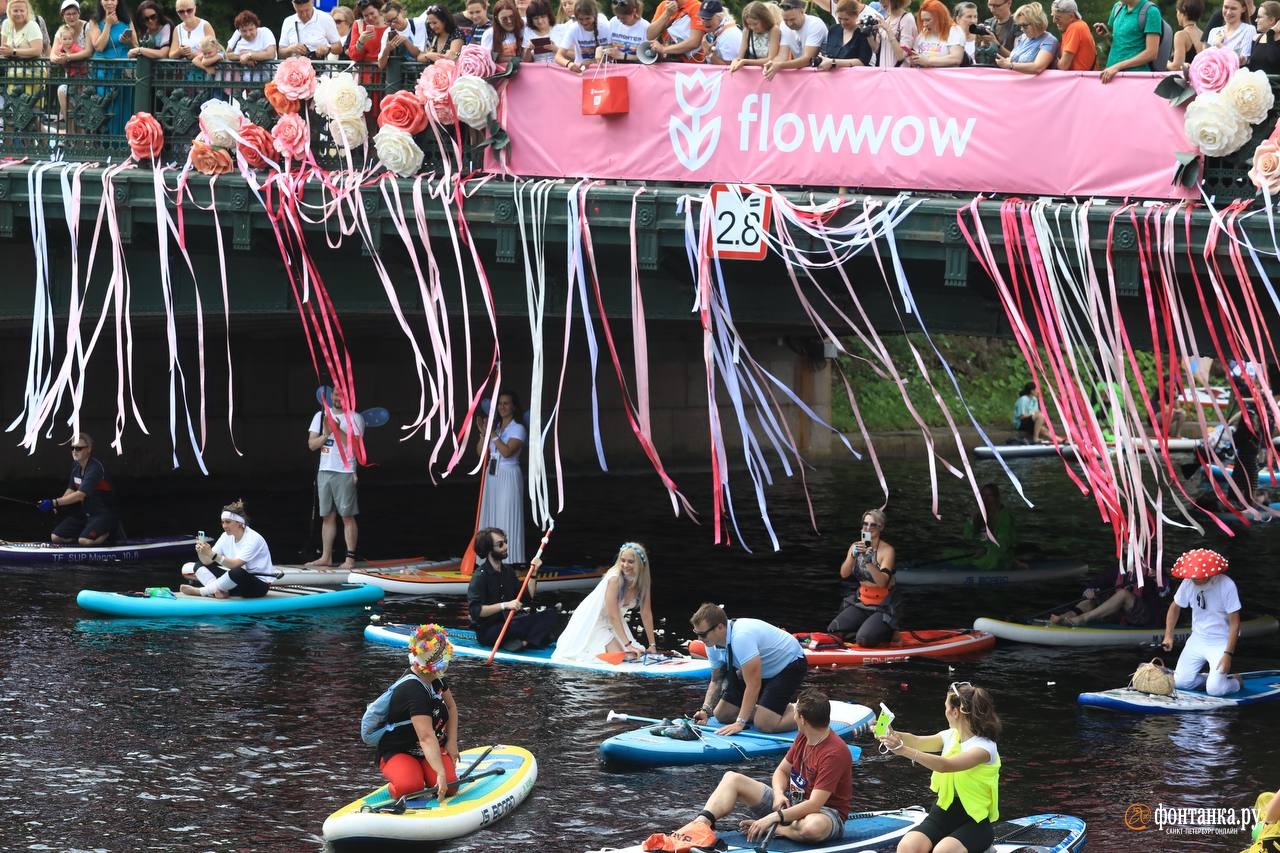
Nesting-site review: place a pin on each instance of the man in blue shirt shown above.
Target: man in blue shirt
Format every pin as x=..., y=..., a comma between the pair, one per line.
x=758, y=672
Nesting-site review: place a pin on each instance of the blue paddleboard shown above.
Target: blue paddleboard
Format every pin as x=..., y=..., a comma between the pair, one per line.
x=465, y=644
x=1260, y=686
x=281, y=599
x=644, y=748
x=1037, y=833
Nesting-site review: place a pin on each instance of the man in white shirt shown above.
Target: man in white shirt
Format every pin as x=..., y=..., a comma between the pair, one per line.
x=802, y=39
x=1215, y=623
x=336, y=479
x=309, y=32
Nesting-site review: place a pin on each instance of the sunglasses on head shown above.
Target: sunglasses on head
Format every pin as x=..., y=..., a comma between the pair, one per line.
x=955, y=688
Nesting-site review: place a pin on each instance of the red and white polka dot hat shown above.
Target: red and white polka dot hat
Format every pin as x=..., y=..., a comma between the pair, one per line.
x=1199, y=564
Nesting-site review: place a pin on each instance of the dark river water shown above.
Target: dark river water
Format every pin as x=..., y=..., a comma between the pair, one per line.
x=242, y=735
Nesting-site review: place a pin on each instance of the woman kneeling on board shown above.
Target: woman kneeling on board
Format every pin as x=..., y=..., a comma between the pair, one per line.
x=238, y=564
x=966, y=776
x=424, y=754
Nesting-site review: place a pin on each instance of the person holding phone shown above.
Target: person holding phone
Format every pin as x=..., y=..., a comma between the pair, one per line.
x=870, y=609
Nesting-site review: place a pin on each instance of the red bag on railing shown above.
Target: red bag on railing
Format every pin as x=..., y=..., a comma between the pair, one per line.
x=603, y=95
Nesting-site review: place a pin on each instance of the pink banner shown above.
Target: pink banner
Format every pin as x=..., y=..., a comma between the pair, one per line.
x=970, y=130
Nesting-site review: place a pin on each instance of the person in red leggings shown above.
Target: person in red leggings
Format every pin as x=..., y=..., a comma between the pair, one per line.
x=422, y=755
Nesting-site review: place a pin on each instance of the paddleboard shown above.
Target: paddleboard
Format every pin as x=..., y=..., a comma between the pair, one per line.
x=1260, y=686
x=1267, y=478
x=1102, y=634
x=1025, y=451
x=1039, y=833
x=281, y=599
x=862, y=831
x=1244, y=519
x=961, y=574
x=477, y=803
x=465, y=644
x=936, y=643
x=126, y=551
x=449, y=579
x=644, y=748
x=336, y=576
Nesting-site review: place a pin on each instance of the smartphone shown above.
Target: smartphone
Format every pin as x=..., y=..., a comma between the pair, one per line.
x=884, y=721
x=866, y=536
x=200, y=536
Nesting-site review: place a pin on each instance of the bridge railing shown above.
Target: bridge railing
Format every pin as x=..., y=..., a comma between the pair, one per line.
x=77, y=111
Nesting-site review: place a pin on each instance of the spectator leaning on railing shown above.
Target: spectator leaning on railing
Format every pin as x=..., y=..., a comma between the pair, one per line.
x=210, y=56
x=940, y=43
x=627, y=31
x=1189, y=38
x=763, y=37
x=1077, y=51
x=155, y=33
x=537, y=17
x=308, y=32
x=1001, y=24
x=666, y=42
x=1035, y=49
x=721, y=38
x=343, y=18
x=443, y=39
x=966, y=17
x=364, y=42
x=1135, y=37
x=586, y=39
x=477, y=14
x=1266, y=49
x=404, y=37
x=1236, y=34
x=802, y=39
x=507, y=37
x=20, y=36
x=252, y=43
x=191, y=31
x=854, y=40
x=899, y=31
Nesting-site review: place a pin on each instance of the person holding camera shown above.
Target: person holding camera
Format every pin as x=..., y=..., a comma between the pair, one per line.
x=870, y=609
x=802, y=39
x=855, y=38
x=966, y=17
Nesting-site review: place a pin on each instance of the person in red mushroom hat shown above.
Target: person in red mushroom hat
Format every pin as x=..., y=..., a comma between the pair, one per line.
x=1215, y=623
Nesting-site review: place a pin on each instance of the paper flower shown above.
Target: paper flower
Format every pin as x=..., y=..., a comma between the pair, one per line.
x=338, y=96
x=209, y=160
x=281, y=104
x=145, y=136
x=296, y=78
x=349, y=132
x=290, y=136
x=1215, y=126
x=1250, y=93
x=474, y=100
x=256, y=145
x=397, y=151
x=220, y=122
x=435, y=80
x=1212, y=69
x=1265, y=173
x=474, y=61
x=405, y=111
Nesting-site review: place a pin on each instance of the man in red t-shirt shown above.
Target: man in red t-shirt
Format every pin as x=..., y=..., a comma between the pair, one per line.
x=808, y=798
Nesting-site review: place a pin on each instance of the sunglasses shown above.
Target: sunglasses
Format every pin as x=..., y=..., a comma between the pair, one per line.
x=955, y=688
x=76, y=448
x=500, y=544
x=185, y=11
x=702, y=635
x=150, y=17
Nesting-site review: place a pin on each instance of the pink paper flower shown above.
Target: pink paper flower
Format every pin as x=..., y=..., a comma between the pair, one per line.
x=1211, y=70
x=145, y=136
x=474, y=61
x=435, y=80
x=403, y=110
x=290, y=136
x=256, y=145
x=296, y=78
x=1266, y=167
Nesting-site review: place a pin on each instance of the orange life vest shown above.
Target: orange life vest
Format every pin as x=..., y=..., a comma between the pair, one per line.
x=872, y=595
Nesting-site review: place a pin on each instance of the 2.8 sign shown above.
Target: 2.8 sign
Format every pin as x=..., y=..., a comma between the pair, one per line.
x=740, y=218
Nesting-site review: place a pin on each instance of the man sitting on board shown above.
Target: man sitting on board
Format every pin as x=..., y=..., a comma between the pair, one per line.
x=1215, y=623
x=758, y=669
x=807, y=800
x=494, y=591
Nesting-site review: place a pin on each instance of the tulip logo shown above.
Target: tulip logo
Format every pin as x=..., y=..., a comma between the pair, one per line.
x=696, y=95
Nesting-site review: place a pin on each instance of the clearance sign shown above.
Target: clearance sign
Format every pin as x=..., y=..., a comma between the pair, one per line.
x=962, y=130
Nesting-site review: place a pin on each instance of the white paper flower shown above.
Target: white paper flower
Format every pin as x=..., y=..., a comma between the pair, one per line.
x=1250, y=93
x=474, y=100
x=1214, y=125
x=397, y=151
x=220, y=121
x=349, y=132
x=338, y=96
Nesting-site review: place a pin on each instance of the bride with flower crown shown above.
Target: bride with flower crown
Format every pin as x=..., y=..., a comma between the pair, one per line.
x=599, y=624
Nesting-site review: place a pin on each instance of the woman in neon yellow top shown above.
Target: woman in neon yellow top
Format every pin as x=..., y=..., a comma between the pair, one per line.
x=966, y=776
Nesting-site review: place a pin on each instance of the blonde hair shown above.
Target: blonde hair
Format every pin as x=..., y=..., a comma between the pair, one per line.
x=642, y=572
x=877, y=516
x=766, y=12
x=1032, y=13
x=210, y=44
x=237, y=506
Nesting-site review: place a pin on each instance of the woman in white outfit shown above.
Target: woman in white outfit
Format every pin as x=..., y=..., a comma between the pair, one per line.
x=501, y=441
x=599, y=625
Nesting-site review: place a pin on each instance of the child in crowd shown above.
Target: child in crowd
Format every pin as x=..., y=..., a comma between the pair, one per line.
x=211, y=53
x=478, y=14
x=539, y=29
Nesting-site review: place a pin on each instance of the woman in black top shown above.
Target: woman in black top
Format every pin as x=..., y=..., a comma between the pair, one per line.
x=1266, y=49
x=422, y=752
x=847, y=44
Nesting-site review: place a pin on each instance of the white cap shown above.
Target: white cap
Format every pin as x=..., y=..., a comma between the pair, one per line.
x=69, y=4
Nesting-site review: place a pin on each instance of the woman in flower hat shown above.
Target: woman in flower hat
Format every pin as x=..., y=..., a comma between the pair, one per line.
x=423, y=755
x=1215, y=623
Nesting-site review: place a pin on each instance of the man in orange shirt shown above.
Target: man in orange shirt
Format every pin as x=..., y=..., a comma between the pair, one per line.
x=668, y=13
x=1078, y=52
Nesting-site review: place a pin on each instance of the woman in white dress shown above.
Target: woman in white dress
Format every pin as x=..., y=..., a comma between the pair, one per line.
x=502, y=440
x=599, y=625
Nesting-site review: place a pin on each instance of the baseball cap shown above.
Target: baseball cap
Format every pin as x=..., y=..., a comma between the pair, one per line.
x=69, y=4
x=710, y=8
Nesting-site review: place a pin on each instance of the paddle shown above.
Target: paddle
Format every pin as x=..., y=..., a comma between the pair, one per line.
x=614, y=716
x=688, y=724
x=397, y=805
x=16, y=501
x=1023, y=829
x=763, y=846
x=1049, y=612
x=468, y=565
x=533, y=568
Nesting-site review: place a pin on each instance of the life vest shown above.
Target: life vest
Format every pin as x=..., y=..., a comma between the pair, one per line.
x=870, y=594
x=978, y=787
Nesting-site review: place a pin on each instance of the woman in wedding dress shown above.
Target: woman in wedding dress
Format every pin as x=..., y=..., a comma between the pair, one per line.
x=599, y=625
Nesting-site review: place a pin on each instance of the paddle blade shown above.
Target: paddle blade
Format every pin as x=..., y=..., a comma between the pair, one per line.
x=614, y=716
x=324, y=395
x=375, y=417
x=612, y=658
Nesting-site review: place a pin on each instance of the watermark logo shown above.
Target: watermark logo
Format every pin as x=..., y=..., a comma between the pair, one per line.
x=1176, y=820
x=696, y=95
x=1138, y=817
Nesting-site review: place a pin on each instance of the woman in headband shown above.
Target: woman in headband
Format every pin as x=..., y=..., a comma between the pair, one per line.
x=238, y=564
x=419, y=749
x=599, y=625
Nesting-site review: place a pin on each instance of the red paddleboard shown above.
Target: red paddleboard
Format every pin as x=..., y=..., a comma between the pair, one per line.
x=935, y=643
